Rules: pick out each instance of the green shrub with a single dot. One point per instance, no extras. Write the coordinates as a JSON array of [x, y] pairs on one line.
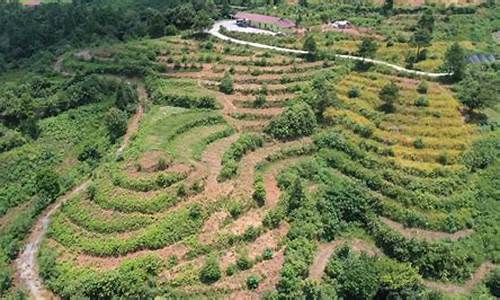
[[47, 183], [253, 282], [419, 143], [251, 234], [259, 194], [422, 87], [235, 209], [226, 85], [210, 272], [422, 102], [444, 159], [296, 121], [363, 130], [116, 121], [493, 282], [126, 97], [357, 275], [231, 270], [273, 218], [89, 152], [267, 254], [354, 92], [245, 143], [244, 262], [260, 100], [482, 153]]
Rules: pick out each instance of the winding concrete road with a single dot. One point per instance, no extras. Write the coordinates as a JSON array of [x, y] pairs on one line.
[[215, 31]]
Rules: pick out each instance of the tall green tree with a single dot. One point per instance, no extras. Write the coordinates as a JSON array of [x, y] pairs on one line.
[[116, 122], [297, 195], [368, 48], [388, 6], [479, 89], [311, 47], [325, 95], [455, 61], [389, 94], [47, 184], [427, 21], [126, 97], [421, 38]]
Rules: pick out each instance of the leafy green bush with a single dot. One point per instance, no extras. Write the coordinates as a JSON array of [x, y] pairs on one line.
[[422, 102], [245, 143], [493, 282], [160, 181], [418, 143], [482, 153], [267, 254], [231, 270], [227, 84], [210, 272], [259, 194], [296, 121], [251, 233], [354, 92], [422, 87], [89, 152], [126, 97], [116, 121], [357, 275], [260, 100], [244, 262], [253, 282]]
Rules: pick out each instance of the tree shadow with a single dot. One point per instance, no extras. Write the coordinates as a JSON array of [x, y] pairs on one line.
[[362, 66], [474, 117]]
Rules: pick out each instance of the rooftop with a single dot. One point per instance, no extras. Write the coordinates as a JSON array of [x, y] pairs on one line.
[[284, 23]]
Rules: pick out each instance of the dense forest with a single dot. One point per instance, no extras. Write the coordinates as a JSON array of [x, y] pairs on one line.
[[51, 28]]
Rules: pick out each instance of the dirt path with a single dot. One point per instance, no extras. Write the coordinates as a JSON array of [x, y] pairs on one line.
[[476, 278], [25, 264], [26, 268], [133, 125], [426, 234], [325, 251]]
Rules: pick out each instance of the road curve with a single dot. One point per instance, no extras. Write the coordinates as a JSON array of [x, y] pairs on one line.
[[26, 265], [215, 31]]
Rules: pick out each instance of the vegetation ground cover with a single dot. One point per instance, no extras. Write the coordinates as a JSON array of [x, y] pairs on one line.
[[248, 164]]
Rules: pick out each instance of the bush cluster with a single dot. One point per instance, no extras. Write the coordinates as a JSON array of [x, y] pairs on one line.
[[245, 143], [296, 121]]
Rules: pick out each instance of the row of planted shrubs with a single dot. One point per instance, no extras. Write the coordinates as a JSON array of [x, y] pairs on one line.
[[156, 89], [160, 181], [343, 202], [174, 227], [384, 171], [90, 217], [105, 196], [245, 143], [132, 279]]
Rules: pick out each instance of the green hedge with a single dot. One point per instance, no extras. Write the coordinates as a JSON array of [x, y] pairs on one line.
[[174, 227], [245, 143]]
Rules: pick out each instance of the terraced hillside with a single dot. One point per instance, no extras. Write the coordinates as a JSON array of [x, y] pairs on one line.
[[240, 182]]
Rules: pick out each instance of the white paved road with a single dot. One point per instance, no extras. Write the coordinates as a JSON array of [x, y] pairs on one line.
[[215, 31]]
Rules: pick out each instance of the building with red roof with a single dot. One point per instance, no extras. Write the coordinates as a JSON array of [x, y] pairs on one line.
[[272, 23]]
